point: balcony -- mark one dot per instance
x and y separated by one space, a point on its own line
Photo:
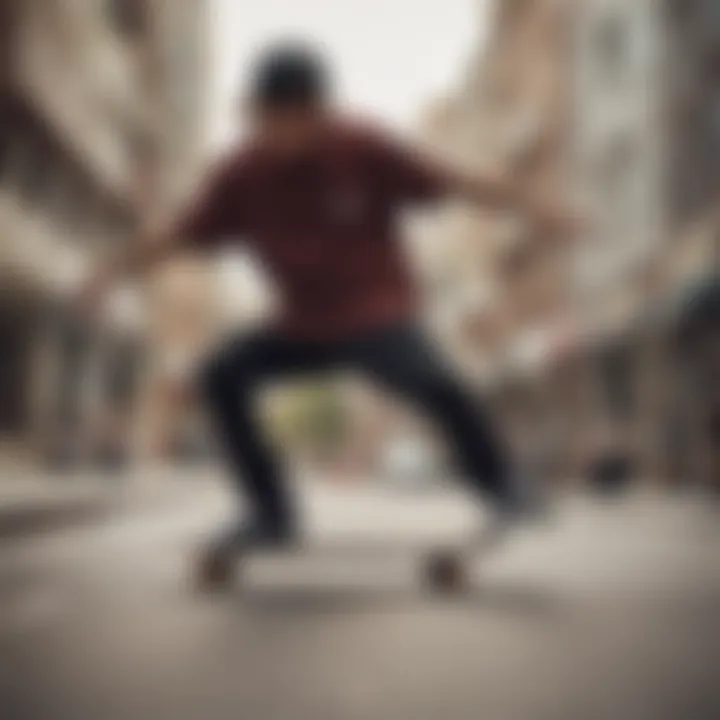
84 88
35 252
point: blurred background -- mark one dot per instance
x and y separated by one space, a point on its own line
600 357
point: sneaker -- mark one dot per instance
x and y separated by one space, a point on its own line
491 534
216 566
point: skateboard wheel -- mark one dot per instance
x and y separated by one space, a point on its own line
445 573
214 571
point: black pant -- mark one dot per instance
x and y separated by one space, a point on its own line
398 358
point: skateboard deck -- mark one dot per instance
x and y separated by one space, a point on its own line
441 566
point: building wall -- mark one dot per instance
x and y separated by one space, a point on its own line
100 114
691 184
619 133
69 116
181 31
614 102
182 303
691 67
647 152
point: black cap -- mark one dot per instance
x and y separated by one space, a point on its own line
289 75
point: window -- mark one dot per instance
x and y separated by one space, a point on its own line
127 16
617 372
712 66
32 166
68 199
619 178
712 14
4 153
613 45
682 10
513 9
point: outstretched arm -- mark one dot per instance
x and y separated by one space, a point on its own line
417 178
212 214
147 252
149 249
497 191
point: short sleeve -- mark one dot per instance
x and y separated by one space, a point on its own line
216 211
406 174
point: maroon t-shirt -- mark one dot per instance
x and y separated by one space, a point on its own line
325 226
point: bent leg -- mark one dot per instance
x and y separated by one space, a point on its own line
230 382
403 362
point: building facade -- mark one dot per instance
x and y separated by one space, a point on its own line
181 296
615 102
72 118
85 149
647 152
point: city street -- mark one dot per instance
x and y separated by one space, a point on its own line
612 612
406 240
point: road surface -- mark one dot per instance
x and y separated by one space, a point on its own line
611 613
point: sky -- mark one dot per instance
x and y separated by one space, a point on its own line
391 57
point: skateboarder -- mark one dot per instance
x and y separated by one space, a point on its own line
318 198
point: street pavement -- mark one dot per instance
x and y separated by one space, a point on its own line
611 612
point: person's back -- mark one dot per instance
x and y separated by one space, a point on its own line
324 222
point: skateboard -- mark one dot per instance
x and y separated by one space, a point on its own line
442 569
